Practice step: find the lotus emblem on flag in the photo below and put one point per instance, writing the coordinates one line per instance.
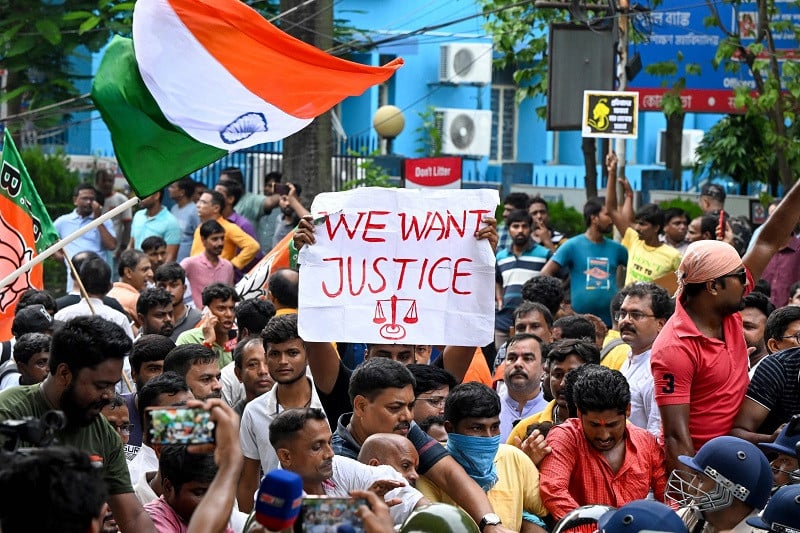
(243, 127)
(13, 254)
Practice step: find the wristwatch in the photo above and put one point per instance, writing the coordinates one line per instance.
(489, 519)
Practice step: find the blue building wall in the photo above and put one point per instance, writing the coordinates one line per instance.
(556, 156)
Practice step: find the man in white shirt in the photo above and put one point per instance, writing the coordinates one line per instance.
(521, 396)
(95, 275)
(287, 363)
(644, 311)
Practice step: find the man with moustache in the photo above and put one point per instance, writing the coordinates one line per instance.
(85, 363)
(592, 260)
(214, 330)
(199, 366)
(518, 263)
(382, 395)
(645, 309)
(154, 310)
(172, 278)
(208, 267)
(521, 396)
(756, 309)
(616, 462)
(302, 440)
(98, 240)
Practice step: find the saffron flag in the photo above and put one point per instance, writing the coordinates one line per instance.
(202, 78)
(254, 283)
(25, 229)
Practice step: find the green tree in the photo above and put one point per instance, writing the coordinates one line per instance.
(54, 181)
(775, 97)
(39, 40)
(737, 146)
(777, 82)
(371, 174)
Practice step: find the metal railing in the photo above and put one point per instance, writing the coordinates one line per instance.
(257, 161)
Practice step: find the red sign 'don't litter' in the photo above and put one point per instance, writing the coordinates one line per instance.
(433, 172)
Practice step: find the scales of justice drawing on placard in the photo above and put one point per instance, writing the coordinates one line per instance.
(395, 331)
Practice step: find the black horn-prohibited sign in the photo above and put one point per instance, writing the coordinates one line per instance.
(610, 114)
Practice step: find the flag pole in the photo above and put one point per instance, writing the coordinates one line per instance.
(85, 296)
(68, 239)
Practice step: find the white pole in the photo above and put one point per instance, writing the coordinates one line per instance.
(68, 239)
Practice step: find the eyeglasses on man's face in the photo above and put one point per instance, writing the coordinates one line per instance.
(634, 315)
(125, 429)
(434, 401)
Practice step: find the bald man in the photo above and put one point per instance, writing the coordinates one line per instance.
(392, 450)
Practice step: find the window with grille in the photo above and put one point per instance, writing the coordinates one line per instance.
(504, 124)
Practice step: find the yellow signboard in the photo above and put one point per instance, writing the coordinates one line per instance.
(610, 114)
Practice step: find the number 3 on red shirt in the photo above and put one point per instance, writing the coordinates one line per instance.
(669, 388)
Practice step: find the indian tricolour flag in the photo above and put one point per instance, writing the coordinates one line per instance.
(202, 78)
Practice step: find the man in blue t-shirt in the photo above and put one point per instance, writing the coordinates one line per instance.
(592, 260)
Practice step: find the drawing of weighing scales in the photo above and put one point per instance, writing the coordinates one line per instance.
(393, 330)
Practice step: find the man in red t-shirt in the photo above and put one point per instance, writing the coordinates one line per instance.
(699, 360)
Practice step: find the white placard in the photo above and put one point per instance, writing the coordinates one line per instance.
(399, 266)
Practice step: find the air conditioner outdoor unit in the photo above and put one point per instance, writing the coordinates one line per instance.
(465, 132)
(689, 143)
(465, 63)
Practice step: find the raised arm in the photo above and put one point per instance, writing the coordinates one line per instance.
(621, 216)
(213, 515)
(777, 230)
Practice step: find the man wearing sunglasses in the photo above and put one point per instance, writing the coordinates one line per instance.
(699, 360)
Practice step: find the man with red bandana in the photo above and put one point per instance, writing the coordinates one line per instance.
(699, 360)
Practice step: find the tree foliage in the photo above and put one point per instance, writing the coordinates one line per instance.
(54, 181)
(736, 146)
(772, 106)
(38, 38)
(520, 36)
(777, 83)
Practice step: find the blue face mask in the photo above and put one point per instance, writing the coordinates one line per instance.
(476, 455)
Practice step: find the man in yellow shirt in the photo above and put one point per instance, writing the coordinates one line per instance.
(239, 248)
(648, 258)
(510, 479)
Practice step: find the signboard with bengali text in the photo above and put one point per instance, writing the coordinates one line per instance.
(680, 29)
